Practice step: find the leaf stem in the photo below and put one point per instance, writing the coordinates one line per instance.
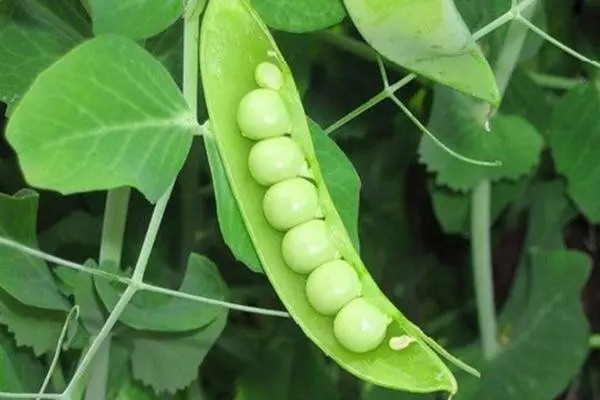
(482, 268)
(555, 82)
(481, 249)
(595, 341)
(113, 227)
(111, 248)
(142, 286)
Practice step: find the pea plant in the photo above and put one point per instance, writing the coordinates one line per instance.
(197, 201)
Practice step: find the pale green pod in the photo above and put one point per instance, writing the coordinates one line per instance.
(307, 246)
(331, 286)
(291, 202)
(268, 75)
(262, 114)
(275, 160)
(360, 326)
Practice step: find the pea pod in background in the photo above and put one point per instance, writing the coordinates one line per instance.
(428, 37)
(405, 358)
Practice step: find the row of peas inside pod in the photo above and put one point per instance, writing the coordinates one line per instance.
(291, 205)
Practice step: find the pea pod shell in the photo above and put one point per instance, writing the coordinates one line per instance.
(231, 55)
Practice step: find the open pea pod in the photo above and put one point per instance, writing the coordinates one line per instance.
(228, 60)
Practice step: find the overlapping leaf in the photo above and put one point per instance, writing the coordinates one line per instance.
(300, 16)
(169, 363)
(106, 115)
(22, 276)
(457, 121)
(574, 140)
(21, 371)
(156, 312)
(32, 36)
(135, 19)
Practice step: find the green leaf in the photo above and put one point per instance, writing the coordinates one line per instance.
(33, 327)
(547, 342)
(230, 219)
(527, 99)
(77, 228)
(339, 175)
(33, 37)
(111, 114)
(550, 211)
(168, 363)
(91, 310)
(574, 140)
(429, 38)
(21, 371)
(269, 376)
(456, 121)
(135, 19)
(168, 49)
(341, 178)
(300, 16)
(156, 312)
(452, 209)
(22, 276)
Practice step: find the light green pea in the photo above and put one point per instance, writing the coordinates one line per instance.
(262, 114)
(331, 286)
(307, 246)
(268, 76)
(274, 160)
(290, 203)
(360, 326)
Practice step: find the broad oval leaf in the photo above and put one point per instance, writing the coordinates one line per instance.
(105, 115)
(300, 15)
(574, 141)
(47, 40)
(23, 276)
(135, 19)
(150, 311)
(428, 37)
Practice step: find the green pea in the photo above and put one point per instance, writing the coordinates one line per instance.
(360, 326)
(269, 76)
(307, 246)
(262, 114)
(331, 286)
(274, 160)
(290, 203)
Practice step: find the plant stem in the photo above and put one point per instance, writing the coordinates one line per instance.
(190, 91)
(113, 227)
(595, 341)
(482, 268)
(555, 82)
(481, 252)
(111, 248)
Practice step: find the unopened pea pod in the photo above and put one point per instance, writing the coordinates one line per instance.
(229, 59)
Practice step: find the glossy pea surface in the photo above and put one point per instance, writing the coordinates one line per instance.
(360, 326)
(331, 286)
(290, 203)
(262, 114)
(269, 76)
(307, 246)
(274, 160)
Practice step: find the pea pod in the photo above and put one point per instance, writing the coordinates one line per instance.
(229, 58)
